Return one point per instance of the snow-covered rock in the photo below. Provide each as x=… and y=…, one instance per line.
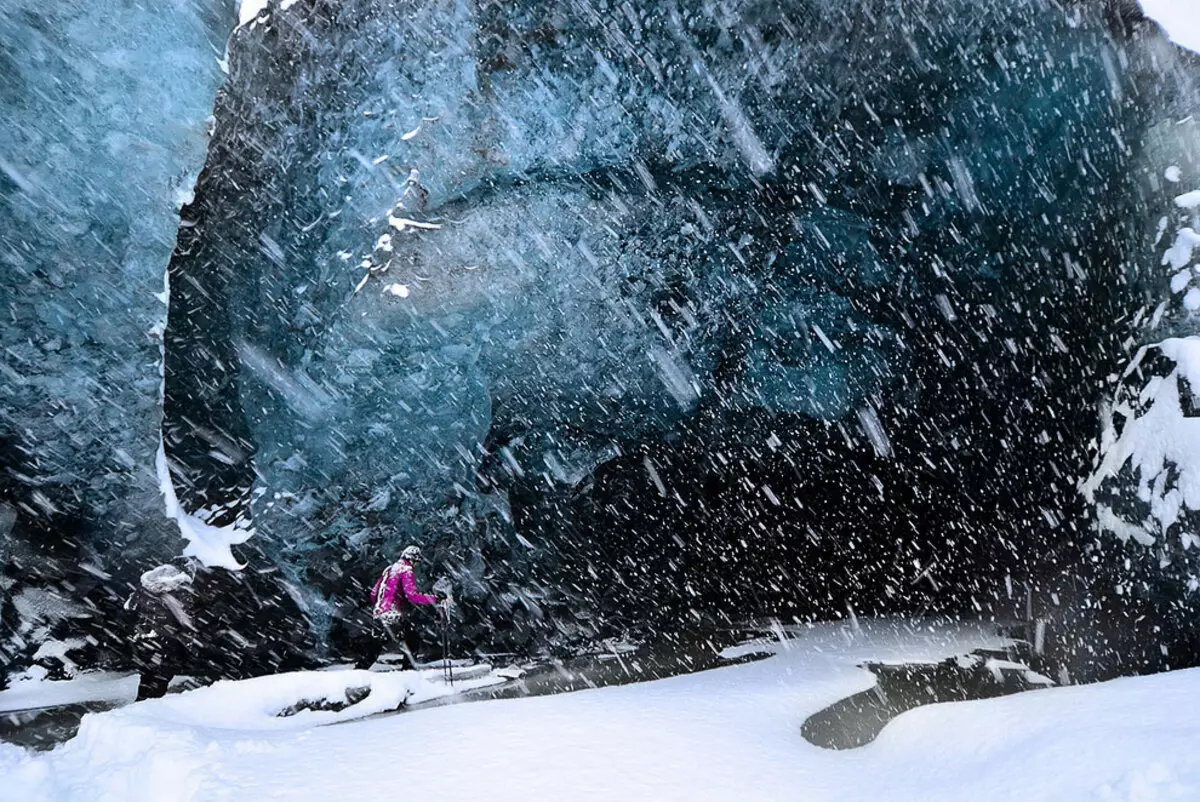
x=1144, y=485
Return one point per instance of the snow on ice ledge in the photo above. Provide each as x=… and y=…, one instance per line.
x=254, y=705
x=33, y=692
x=1179, y=18
x=156, y=750
x=209, y=544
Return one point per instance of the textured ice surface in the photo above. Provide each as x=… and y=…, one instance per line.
x=493, y=248
x=105, y=109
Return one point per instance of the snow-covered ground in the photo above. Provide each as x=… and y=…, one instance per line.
x=100, y=686
x=730, y=733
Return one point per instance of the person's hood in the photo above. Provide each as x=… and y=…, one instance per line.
x=165, y=579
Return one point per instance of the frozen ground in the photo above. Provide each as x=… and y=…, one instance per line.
x=730, y=733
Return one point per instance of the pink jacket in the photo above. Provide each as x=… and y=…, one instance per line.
x=385, y=595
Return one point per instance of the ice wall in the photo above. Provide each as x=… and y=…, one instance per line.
x=454, y=254
x=106, y=115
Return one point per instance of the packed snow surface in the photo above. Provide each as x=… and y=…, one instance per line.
x=731, y=733
x=101, y=686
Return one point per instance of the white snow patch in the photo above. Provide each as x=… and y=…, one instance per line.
x=1180, y=280
x=1109, y=521
x=752, y=647
x=511, y=672
x=1179, y=18
x=58, y=649
x=1180, y=252
x=1160, y=229
x=185, y=193
x=399, y=290
x=249, y=10
x=209, y=544
x=1191, y=301
x=1188, y=200
x=1173, y=174
x=254, y=704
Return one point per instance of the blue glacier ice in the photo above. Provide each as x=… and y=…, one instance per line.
x=470, y=272
x=106, y=111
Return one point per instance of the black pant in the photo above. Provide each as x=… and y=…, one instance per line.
x=396, y=633
x=157, y=660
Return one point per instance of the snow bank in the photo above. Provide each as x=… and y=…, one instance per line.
x=732, y=733
x=159, y=750
x=26, y=778
x=255, y=704
x=1130, y=739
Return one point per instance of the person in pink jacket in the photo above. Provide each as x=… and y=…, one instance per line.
x=393, y=602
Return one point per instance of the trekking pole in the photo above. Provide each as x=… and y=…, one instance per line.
x=447, y=670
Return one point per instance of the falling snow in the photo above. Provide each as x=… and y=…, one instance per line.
x=652, y=324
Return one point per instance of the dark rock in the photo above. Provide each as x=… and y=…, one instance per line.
x=353, y=696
